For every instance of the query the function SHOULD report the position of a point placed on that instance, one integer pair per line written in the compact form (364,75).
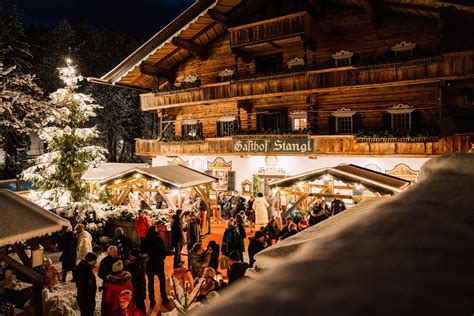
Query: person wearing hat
(86,284)
(117,281)
(237,268)
(257,244)
(125,305)
(303,224)
(136,266)
(155,248)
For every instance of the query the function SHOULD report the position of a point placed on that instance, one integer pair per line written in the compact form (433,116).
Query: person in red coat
(142,223)
(117,281)
(126,306)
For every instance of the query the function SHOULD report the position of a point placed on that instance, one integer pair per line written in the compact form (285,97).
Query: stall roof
(21,220)
(107,170)
(179,176)
(351,173)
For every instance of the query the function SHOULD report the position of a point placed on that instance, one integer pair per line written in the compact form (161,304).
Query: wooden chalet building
(253,90)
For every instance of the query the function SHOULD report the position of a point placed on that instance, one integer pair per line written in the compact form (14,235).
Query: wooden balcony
(446,67)
(273,30)
(324,145)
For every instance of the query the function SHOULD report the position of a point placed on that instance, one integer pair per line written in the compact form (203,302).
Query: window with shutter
(401,118)
(343,121)
(227,126)
(231,181)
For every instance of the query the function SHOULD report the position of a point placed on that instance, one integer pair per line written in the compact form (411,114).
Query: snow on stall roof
(372,179)
(106,170)
(175,175)
(21,220)
(409,254)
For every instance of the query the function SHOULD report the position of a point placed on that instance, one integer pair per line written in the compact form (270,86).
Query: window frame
(401,109)
(298,115)
(228,120)
(191,123)
(344,113)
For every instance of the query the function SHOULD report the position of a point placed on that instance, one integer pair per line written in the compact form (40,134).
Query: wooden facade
(266,63)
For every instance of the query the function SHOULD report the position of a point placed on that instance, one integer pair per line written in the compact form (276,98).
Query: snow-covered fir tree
(58,173)
(22,109)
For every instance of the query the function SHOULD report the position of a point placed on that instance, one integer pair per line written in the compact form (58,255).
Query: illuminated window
(299,120)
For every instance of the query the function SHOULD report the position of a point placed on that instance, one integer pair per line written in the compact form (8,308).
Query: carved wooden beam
(159,72)
(191,46)
(219,17)
(372,10)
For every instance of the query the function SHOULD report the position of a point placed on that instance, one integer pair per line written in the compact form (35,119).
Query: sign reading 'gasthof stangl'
(290,145)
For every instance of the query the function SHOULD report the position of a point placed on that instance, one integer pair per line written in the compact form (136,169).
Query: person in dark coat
(105,266)
(250,212)
(123,243)
(240,224)
(272,231)
(193,233)
(292,230)
(67,245)
(337,205)
(86,284)
(256,244)
(177,238)
(231,239)
(215,249)
(136,266)
(222,202)
(237,268)
(155,248)
(319,212)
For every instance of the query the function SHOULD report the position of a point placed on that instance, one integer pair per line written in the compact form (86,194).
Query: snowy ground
(66,291)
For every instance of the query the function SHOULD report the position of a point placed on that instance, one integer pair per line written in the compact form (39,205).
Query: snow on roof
(178,176)
(21,220)
(372,179)
(106,170)
(409,254)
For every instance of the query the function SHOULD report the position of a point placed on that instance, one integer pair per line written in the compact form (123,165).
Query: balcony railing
(445,67)
(324,145)
(298,24)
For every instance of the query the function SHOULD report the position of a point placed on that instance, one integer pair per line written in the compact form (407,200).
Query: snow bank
(407,254)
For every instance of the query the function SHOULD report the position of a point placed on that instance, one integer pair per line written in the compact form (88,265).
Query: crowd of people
(127,274)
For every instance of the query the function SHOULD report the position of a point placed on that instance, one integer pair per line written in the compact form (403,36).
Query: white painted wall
(246,167)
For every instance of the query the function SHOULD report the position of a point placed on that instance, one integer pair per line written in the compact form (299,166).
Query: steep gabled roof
(196,25)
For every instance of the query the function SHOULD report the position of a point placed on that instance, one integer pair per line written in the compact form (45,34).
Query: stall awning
(21,220)
(177,176)
(350,173)
(107,170)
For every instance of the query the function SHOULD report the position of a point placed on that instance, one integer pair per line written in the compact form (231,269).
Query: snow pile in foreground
(408,254)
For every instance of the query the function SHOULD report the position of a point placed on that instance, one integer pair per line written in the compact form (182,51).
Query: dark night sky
(140,18)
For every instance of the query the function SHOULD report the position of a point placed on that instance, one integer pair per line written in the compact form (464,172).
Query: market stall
(162,189)
(351,183)
(23,225)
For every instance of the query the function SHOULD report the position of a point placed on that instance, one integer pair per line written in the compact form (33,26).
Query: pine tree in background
(70,153)
(14,49)
(22,105)
(22,109)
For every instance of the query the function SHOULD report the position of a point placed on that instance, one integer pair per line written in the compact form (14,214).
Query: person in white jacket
(84,242)
(260,206)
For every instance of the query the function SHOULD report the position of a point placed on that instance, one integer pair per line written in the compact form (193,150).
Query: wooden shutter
(332,124)
(284,120)
(219,129)
(356,123)
(260,120)
(230,180)
(387,121)
(199,130)
(235,126)
(415,121)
